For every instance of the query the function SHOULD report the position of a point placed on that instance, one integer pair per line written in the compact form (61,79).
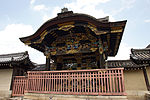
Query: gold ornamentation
(42,36)
(88,68)
(71,44)
(71,51)
(101,32)
(100,50)
(116,29)
(53,53)
(66,27)
(93,49)
(70,68)
(91,24)
(78,68)
(94,29)
(27,42)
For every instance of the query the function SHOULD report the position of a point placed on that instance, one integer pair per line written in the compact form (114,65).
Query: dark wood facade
(77,41)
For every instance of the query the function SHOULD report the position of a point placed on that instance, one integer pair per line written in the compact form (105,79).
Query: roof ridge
(148,46)
(14,54)
(140,49)
(126,64)
(118,60)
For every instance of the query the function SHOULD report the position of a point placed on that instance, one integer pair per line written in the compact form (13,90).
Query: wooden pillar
(101,61)
(59,60)
(146,78)
(47,53)
(101,58)
(78,58)
(59,66)
(48,63)
(101,52)
(97,59)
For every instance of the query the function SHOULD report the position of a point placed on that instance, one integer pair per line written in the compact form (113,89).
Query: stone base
(131,95)
(147,96)
(137,95)
(36,96)
(4,95)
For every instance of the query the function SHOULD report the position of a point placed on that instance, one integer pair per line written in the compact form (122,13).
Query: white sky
(20,18)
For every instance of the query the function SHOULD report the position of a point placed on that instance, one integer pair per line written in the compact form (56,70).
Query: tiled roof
(39,67)
(15,58)
(148,46)
(71,14)
(78,22)
(140,55)
(127,64)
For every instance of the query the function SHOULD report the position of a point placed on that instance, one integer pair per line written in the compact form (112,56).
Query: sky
(21,18)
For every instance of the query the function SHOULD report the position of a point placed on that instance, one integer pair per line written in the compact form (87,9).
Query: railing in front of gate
(19,85)
(77,82)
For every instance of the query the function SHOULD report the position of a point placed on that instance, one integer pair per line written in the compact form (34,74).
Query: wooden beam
(146,78)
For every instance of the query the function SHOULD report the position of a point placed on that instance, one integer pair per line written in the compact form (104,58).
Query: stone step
(56,98)
(1,98)
(36,96)
(66,97)
(4,98)
(16,98)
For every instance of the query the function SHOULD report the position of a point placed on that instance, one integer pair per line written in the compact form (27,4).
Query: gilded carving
(74,43)
(97,32)
(66,27)
(27,42)
(93,49)
(116,29)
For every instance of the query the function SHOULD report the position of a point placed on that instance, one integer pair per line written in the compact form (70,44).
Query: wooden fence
(76,82)
(19,85)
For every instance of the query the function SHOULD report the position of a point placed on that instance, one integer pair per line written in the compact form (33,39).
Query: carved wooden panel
(74,43)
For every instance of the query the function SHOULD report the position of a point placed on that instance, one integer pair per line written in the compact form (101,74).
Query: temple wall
(135,85)
(134,80)
(5,81)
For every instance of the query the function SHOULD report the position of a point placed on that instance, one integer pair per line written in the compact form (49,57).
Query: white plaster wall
(134,80)
(5,79)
